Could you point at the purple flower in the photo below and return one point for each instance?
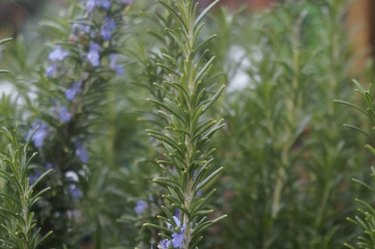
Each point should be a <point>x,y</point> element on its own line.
<point>49,166</point>
<point>105,4</point>
<point>64,114</point>
<point>164,244</point>
<point>79,29</point>
<point>178,239</point>
<point>140,207</point>
<point>114,66</point>
<point>176,221</point>
<point>51,70</point>
<point>73,90</point>
<point>90,5</point>
<point>58,54</point>
<point>93,55</point>
<point>38,133</point>
<point>81,152</point>
<point>74,192</point>
<point>108,27</point>
<point>34,177</point>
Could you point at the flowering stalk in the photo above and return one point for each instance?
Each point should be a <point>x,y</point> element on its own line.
<point>186,164</point>
<point>80,68</point>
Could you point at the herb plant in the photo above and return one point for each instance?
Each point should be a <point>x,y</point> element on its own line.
<point>19,194</point>
<point>189,92</point>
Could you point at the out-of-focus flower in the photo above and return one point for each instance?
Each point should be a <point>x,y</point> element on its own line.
<point>140,207</point>
<point>105,4</point>
<point>38,133</point>
<point>73,90</point>
<point>93,55</point>
<point>58,54</point>
<point>108,27</point>
<point>80,29</point>
<point>51,70</point>
<point>114,66</point>
<point>165,244</point>
<point>74,192</point>
<point>49,166</point>
<point>64,114</point>
<point>92,4</point>
<point>34,177</point>
<point>81,152</point>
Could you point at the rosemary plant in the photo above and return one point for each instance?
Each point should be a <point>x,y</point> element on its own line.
<point>282,124</point>
<point>18,225</point>
<point>70,97</point>
<point>189,92</point>
<point>365,218</point>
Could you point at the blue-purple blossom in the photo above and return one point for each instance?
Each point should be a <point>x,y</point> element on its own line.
<point>176,221</point>
<point>49,166</point>
<point>140,207</point>
<point>93,55</point>
<point>165,244</point>
<point>51,70</point>
<point>38,133</point>
<point>73,90</point>
<point>108,27</point>
<point>58,54</point>
<point>105,4</point>
<point>178,239</point>
<point>34,177</point>
<point>74,192</point>
<point>92,4</point>
<point>64,114</point>
<point>81,152</point>
<point>114,66</point>
<point>79,29</point>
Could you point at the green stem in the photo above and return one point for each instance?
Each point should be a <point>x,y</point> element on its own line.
<point>188,195</point>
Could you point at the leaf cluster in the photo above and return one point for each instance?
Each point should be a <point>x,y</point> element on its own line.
<point>18,224</point>
<point>188,92</point>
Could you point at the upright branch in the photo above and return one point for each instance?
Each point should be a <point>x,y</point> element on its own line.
<point>77,75</point>
<point>365,217</point>
<point>17,222</point>
<point>187,173</point>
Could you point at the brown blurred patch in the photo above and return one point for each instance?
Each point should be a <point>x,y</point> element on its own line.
<point>361,29</point>
<point>14,14</point>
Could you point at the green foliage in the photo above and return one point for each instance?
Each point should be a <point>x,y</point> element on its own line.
<point>365,216</point>
<point>289,160</point>
<point>288,163</point>
<point>18,225</point>
<point>189,92</point>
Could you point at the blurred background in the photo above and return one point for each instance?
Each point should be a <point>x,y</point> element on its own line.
<point>360,20</point>
<point>288,160</point>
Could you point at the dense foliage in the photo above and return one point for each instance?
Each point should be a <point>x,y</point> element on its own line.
<point>163,124</point>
